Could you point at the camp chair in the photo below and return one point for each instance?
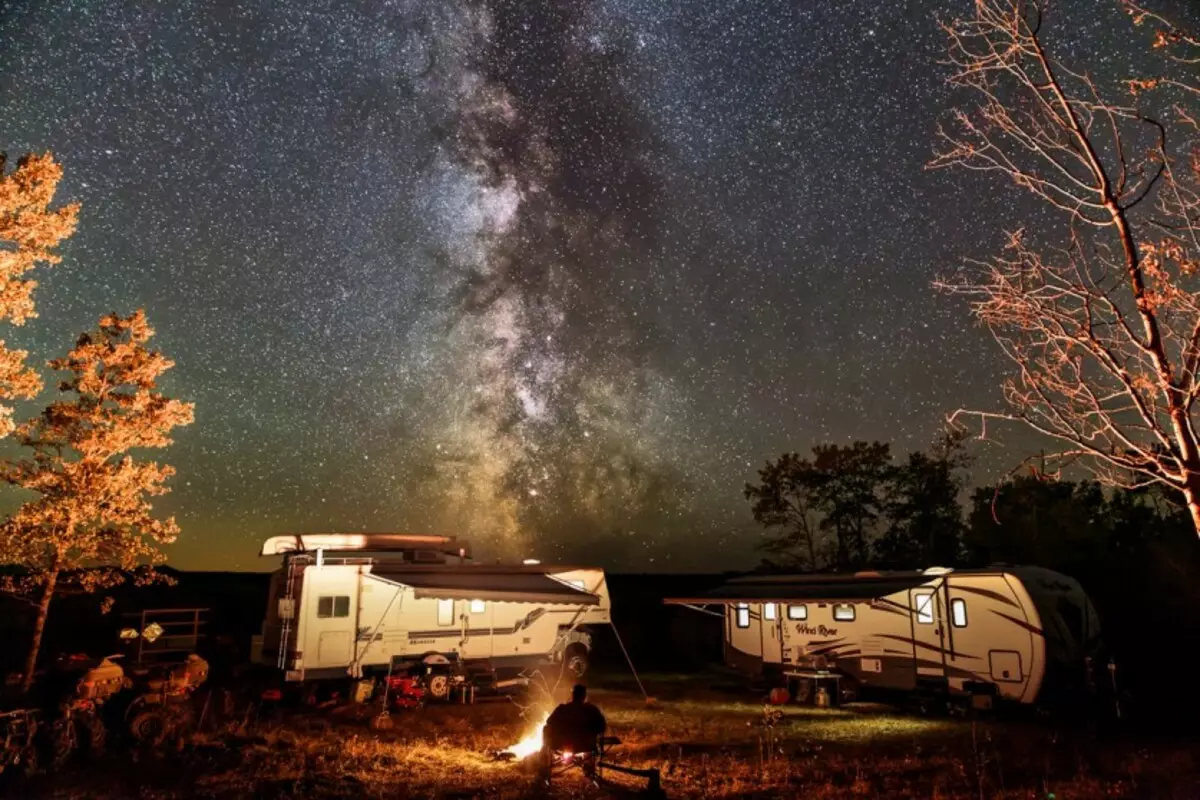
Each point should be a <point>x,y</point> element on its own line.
<point>590,763</point>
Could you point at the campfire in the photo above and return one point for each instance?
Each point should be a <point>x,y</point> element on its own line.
<point>530,744</point>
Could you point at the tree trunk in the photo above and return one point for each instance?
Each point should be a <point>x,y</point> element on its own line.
<point>38,627</point>
<point>1191,494</point>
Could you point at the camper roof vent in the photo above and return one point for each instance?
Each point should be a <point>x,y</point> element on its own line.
<point>939,570</point>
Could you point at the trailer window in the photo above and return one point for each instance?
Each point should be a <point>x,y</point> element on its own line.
<point>445,612</point>
<point>478,606</point>
<point>924,607</point>
<point>798,612</point>
<point>843,612</point>
<point>743,615</point>
<point>333,606</point>
<point>769,611</point>
<point>958,612</point>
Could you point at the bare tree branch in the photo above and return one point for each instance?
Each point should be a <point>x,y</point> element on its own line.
<point>1103,335</point>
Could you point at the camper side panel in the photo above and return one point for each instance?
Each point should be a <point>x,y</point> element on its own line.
<point>743,628</point>
<point>961,632</point>
<point>870,642</point>
<point>386,611</point>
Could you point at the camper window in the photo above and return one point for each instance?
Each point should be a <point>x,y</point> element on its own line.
<point>445,612</point>
<point>330,606</point>
<point>924,605</point>
<point>769,611</point>
<point>798,612</point>
<point>478,606</point>
<point>843,612</point>
<point>958,612</point>
<point>743,615</point>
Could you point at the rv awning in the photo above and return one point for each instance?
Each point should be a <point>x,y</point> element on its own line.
<point>514,587</point>
<point>809,588</point>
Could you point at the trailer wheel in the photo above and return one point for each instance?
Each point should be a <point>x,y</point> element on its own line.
<point>575,661</point>
<point>149,727</point>
<point>438,685</point>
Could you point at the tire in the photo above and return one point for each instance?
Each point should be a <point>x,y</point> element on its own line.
<point>438,685</point>
<point>575,661</point>
<point>149,727</point>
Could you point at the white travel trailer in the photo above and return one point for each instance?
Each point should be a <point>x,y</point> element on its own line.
<point>338,616</point>
<point>1016,633</point>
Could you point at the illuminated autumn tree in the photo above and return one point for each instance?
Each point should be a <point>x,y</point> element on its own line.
<point>92,518</point>
<point>1101,318</point>
<point>29,232</point>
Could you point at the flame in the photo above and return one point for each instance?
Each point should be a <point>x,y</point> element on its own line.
<point>531,743</point>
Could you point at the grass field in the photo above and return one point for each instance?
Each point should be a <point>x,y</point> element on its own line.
<point>707,743</point>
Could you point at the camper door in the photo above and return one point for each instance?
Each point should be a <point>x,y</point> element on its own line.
<point>928,634</point>
<point>771,632</point>
<point>477,617</point>
<point>330,610</point>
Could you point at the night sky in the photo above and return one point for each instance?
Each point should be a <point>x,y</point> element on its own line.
<point>555,277</point>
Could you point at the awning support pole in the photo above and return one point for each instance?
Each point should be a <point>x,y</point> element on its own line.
<point>703,610</point>
<point>629,661</point>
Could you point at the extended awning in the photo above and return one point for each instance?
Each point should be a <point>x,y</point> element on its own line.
<point>807,588</point>
<point>511,587</point>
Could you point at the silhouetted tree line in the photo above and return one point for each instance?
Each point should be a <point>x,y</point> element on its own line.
<point>849,507</point>
<point>854,507</point>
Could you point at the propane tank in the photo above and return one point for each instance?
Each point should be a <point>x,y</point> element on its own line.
<point>822,697</point>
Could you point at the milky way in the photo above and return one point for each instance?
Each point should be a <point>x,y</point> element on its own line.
<point>556,277</point>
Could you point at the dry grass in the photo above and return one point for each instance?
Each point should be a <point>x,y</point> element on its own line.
<point>707,744</point>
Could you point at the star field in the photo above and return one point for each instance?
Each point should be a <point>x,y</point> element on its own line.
<point>555,277</point>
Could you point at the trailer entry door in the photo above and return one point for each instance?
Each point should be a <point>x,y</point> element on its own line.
<point>772,644</point>
<point>929,653</point>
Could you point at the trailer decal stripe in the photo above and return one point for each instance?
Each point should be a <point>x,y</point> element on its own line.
<point>927,646</point>
<point>986,593</point>
<point>821,651</point>
<point>1020,622</point>
<point>889,607</point>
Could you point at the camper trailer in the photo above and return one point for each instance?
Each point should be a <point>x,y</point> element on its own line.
<point>354,605</point>
<point>1014,633</point>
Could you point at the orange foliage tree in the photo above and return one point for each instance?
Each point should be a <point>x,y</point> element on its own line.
<point>29,232</point>
<point>92,518</point>
<point>1102,325</point>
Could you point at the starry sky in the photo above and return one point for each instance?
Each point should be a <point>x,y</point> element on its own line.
<point>556,277</point>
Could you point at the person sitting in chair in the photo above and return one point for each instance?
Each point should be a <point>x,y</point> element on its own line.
<point>575,726</point>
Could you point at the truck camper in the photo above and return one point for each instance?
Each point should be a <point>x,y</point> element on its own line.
<point>355,605</point>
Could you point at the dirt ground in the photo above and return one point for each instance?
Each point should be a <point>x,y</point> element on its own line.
<point>707,743</point>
